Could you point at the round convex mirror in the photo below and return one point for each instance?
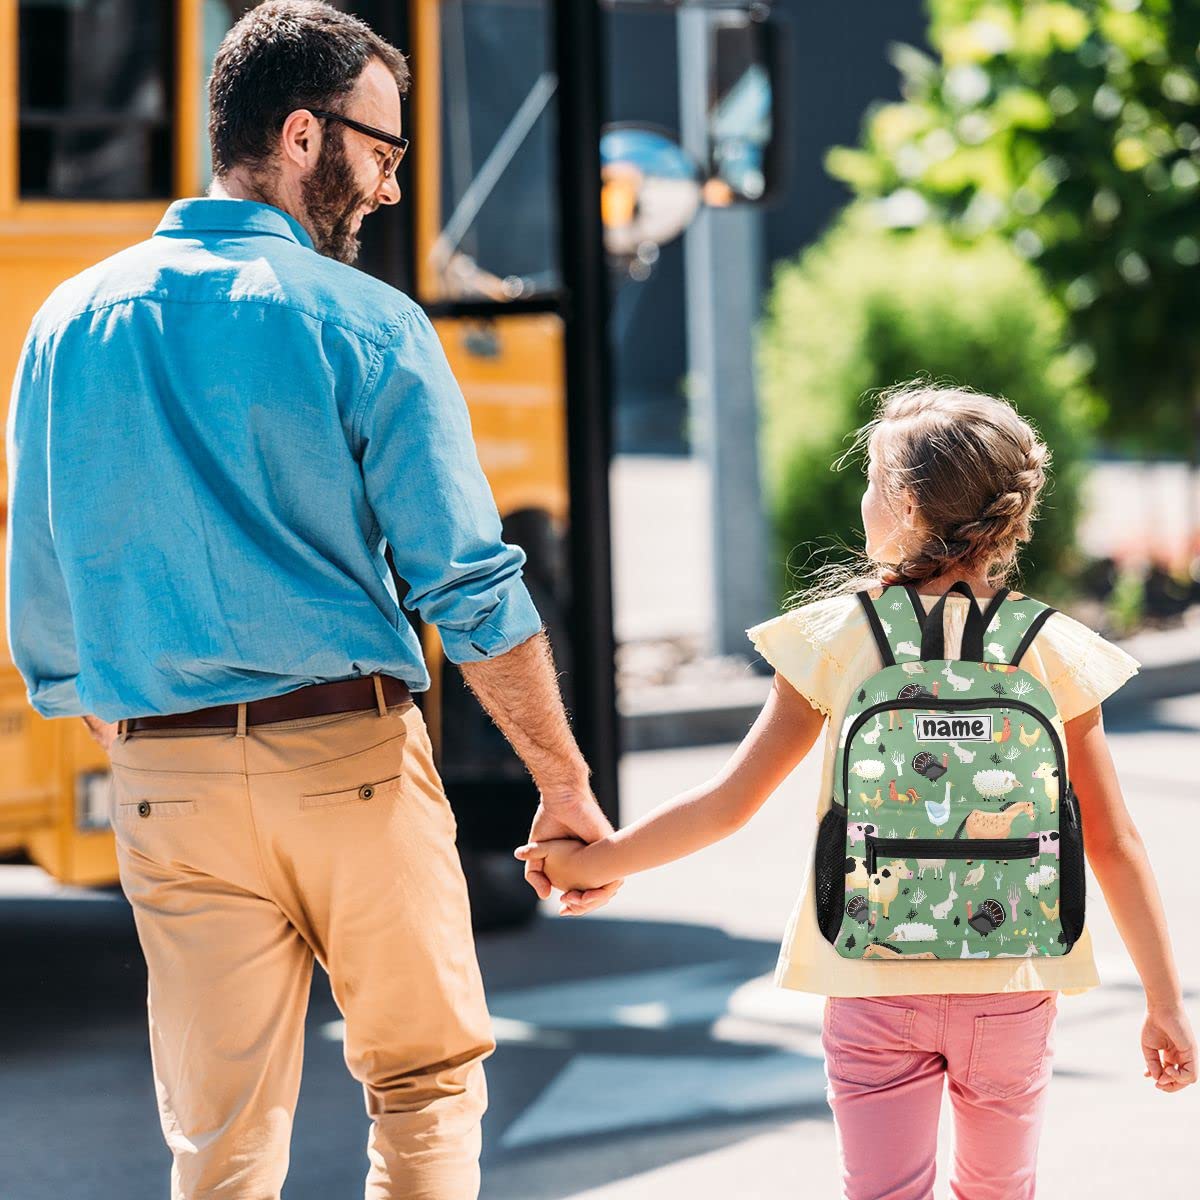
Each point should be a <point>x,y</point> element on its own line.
<point>650,189</point>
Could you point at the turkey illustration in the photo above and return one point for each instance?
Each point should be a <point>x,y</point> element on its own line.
<point>989,917</point>
<point>925,764</point>
<point>858,910</point>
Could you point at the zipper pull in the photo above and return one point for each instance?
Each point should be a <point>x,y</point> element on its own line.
<point>870,854</point>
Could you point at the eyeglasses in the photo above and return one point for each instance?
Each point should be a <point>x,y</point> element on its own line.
<point>399,144</point>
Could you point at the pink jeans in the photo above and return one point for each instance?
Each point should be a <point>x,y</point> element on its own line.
<point>885,1057</point>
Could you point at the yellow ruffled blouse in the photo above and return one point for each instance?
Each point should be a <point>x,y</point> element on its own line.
<point>825,651</point>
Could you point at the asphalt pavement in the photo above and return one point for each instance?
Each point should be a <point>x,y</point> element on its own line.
<point>643,1051</point>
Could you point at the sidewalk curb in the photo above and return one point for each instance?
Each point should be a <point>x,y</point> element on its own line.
<point>672,718</point>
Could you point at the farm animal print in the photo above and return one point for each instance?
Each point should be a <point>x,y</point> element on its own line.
<point>960,829</point>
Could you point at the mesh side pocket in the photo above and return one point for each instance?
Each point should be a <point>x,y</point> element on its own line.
<point>830,872</point>
<point>1072,881</point>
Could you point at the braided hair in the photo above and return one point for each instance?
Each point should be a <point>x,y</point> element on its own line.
<point>973,470</point>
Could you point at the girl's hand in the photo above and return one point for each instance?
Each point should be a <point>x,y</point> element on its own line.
<point>1169,1047</point>
<point>562,861</point>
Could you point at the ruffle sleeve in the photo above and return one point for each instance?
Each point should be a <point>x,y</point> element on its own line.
<point>1082,668</point>
<point>807,646</point>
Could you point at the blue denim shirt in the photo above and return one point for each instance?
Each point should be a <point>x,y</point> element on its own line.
<point>213,435</point>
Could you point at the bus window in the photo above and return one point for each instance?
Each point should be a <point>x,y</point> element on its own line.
<point>94,99</point>
<point>497,237</point>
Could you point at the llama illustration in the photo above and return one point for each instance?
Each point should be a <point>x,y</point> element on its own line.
<point>1048,774</point>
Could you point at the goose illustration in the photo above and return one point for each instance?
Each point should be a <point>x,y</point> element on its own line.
<point>939,812</point>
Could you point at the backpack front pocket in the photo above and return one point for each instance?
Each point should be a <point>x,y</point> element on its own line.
<point>961,898</point>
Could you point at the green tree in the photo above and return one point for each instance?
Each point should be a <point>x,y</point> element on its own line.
<point>866,308</point>
<point>1073,130</point>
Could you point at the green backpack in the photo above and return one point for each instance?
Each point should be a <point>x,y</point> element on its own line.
<point>954,832</point>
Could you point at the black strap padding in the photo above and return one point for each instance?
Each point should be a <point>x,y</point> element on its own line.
<point>885,650</point>
<point>1031,633</point>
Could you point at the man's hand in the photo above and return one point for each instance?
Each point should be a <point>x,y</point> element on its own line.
<point>519,690</point>
<point>569,811</point>
<point>105,732</point>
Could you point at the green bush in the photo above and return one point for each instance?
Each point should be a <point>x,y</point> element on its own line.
<point>868,307</point>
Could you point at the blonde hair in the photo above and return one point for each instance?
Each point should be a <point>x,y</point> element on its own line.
<point>974,469</point>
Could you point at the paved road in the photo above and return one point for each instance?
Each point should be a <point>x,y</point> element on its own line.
<point>643,1052</point>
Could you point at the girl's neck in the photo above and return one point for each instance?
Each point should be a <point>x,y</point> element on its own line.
<point>937,587</point>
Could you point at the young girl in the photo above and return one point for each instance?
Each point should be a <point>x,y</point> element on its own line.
<point>953,483</point>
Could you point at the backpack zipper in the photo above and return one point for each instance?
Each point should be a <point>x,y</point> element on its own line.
<point>988,848</point>
<point>921,703</point>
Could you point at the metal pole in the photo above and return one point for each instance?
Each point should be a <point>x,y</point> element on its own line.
<point>723,252</point>
<point>579,60</point>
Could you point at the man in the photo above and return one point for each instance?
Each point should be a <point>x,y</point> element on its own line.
<point>213,437</point>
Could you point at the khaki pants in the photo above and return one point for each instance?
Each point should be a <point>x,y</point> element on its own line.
<point>247,856</point>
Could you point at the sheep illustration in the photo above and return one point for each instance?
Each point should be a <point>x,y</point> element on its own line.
<point>1036,880</point>
<point>913,931</point>
<point>991,785</point>
<point>995,649</point>
<point>869,769</point>
<point>907,647</point>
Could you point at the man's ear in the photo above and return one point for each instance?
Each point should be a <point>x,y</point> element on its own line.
<point>300,139</point>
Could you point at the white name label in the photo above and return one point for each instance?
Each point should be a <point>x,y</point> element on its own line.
<point>974,728</point>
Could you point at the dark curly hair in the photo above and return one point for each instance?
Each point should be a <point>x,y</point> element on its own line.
<point>281,56</point>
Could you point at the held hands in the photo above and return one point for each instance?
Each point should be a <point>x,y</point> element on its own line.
<point>564,863</point>
<point>567,811</point>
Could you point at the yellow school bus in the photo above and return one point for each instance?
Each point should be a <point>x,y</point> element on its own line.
<point>103,121</point>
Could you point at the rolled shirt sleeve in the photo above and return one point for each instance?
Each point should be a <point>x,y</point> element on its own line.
<point>39,626</point>
<point>434,504</point>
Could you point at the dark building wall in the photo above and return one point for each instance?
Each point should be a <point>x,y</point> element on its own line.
<point>839,65</point>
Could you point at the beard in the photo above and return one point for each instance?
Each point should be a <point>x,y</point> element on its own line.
<point>331,200</point>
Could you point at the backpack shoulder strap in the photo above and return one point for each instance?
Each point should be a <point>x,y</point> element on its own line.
<point>896,618</point>
<point>1031,615</point>
<point>1013,628</point>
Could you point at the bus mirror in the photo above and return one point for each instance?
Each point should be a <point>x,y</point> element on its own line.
<point>650,190</point>
<point>744,107</point>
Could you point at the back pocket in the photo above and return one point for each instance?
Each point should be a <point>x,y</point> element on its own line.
<point>367,792</point>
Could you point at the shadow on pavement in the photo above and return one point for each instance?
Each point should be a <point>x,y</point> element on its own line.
<point>608,1063</point>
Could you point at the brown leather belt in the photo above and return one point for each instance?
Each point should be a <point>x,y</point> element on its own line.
<point>315,700</point>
